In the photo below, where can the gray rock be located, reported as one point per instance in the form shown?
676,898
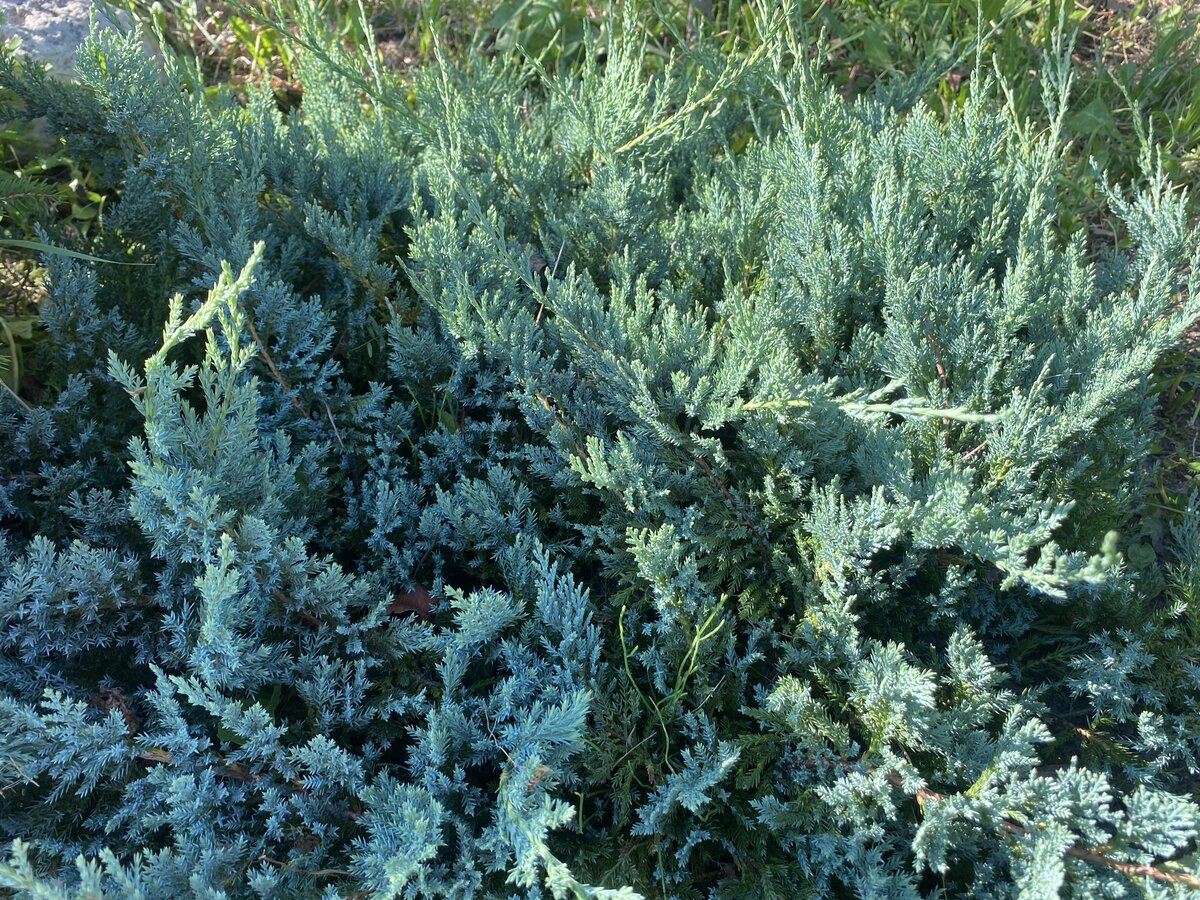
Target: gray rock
50,30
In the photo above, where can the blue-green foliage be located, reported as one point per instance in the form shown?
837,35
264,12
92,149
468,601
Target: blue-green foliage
663,480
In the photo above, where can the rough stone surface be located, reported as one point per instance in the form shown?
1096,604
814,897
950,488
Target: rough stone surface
50,30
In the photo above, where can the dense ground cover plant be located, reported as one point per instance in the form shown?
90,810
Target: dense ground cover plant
1135,60
1134,69
670,480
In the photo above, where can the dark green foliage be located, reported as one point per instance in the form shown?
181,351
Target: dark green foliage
680,484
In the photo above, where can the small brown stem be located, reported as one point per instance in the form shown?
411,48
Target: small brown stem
707,470
262,349
580,450
318,873
941,372
741,511
1087,854
974,452
304,614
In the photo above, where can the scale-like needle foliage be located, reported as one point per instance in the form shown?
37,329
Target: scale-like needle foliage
669,480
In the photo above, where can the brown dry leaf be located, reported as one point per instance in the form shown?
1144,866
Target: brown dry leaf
418,601
114,698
